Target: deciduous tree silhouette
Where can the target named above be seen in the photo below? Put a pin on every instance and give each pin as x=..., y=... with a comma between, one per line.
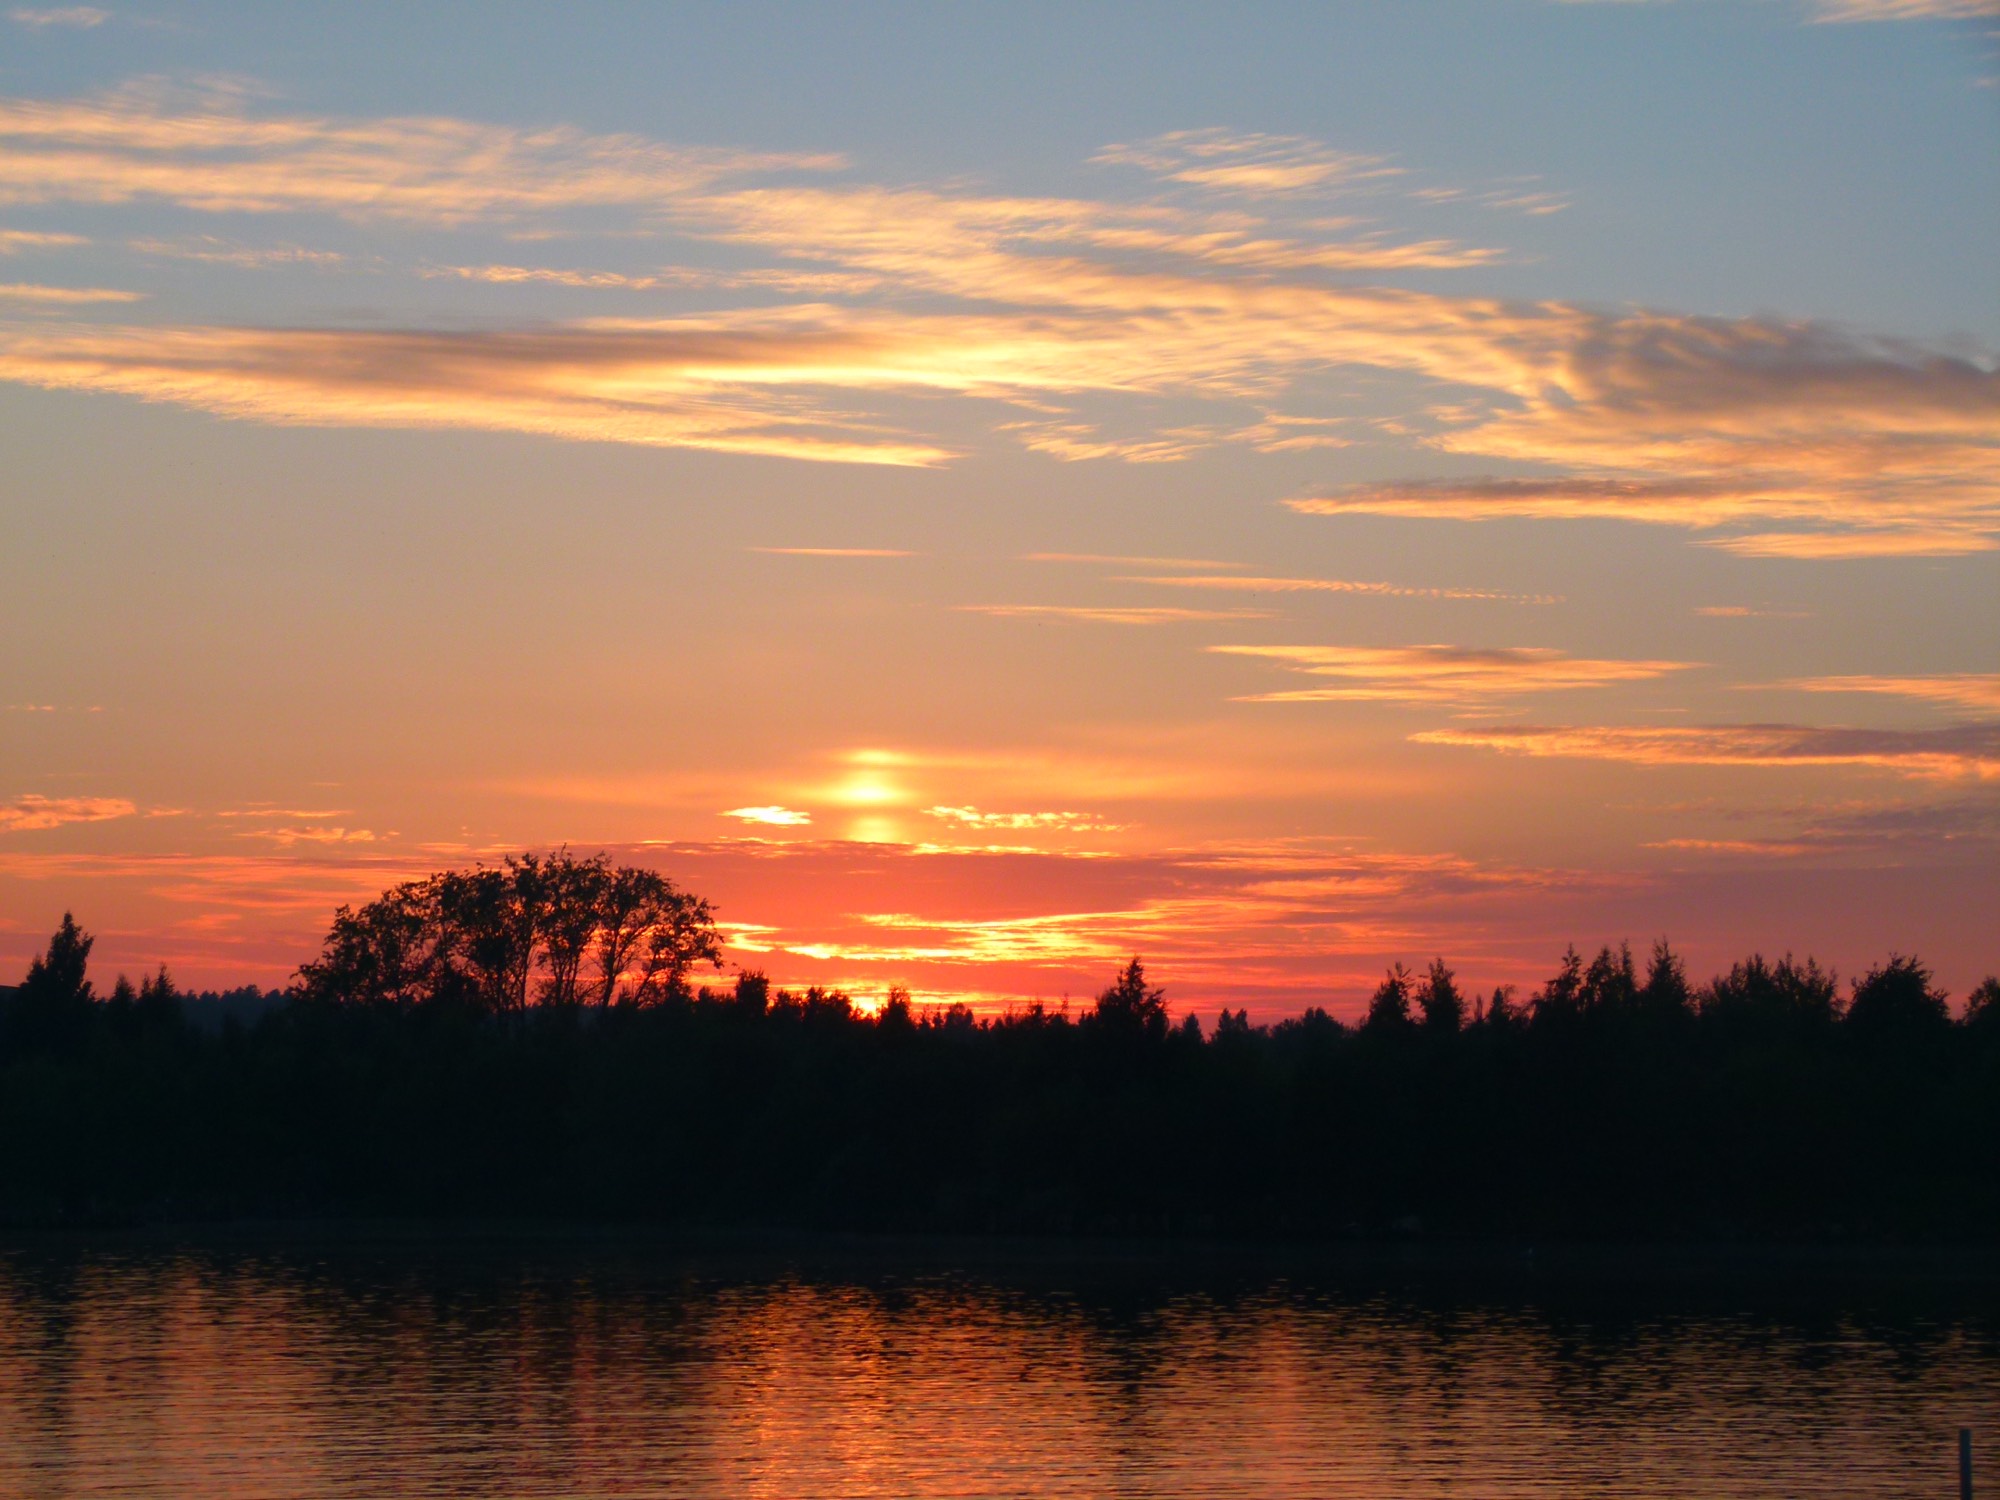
x=1897, y=1000
x=480, y=937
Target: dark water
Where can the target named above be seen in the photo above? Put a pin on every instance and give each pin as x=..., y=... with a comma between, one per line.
x=416, y=1371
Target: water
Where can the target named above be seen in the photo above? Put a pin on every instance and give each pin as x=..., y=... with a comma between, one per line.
x=606, y=1371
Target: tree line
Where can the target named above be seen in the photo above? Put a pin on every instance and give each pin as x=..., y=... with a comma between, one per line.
x=533, y=1039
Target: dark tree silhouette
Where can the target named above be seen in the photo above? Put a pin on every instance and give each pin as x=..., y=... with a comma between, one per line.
x=1389, y=1006
x=526, y=1039
x=1982, y=1006
x=1665, y=996
x=625, y=937
x=51, y=1009
x=1896, y=999
x=1131, y=1006
x=1438, y=999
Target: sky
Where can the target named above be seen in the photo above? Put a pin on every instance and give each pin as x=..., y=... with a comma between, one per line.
x=980, y=492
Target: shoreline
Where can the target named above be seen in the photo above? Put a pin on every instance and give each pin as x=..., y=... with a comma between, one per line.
x=1509, y=1261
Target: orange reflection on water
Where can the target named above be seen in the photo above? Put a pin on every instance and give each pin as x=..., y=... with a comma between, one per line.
x=411, y=1373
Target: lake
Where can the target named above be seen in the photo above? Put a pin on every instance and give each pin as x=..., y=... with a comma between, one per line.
x=413, y=1368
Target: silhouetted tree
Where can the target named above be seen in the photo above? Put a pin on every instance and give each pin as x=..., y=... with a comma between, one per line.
x=1610, y=985
x=1666, y=996
x=1982, y=1006
x=1896, y=1001
x=651, y=935
x=1502, y=1013
x=400, y=1076
x=752, y=995
x=1131, y=1006
x=1756, y=999
x=1389, y=1006
x=1560, y=1001
x=1438, y=999
x=51, y=1009
x=479, y=937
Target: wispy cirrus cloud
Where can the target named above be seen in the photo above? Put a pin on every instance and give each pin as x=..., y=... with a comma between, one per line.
x=1763, y=436
x=1252, y=584
x=1112, y=614
x=1904, y=10
x=1247, y=162
x=1880, y=10
x=287, y=837
x=35, y=812
x=82, y=17
x=1440, y=674
x=17, y=241
x=694, y=383
x=1774, y=438
x=26, y=291
x=1978, y=691
x=1960, y=752
x=205, y=150
x=210, y=250
x=669, y=278
x=1065, y=822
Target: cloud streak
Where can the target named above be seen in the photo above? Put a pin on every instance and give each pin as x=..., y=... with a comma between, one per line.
x=1846, y=446
x=1978, y=691
x=82, y=17
x=1248, y=163
x=1970, y=751
x=1440, y=674
x=1261, y=585
x=206, y=152
x=1905, y=10
x=695, y=383
x=1111, y=614
x=1765, y=437
x=21, y=291
x=33, y=812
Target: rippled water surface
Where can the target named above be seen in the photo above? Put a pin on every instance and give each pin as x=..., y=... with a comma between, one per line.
x=416, y=1371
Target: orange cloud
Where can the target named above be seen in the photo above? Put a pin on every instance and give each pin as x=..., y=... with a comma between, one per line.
x=1440, y=674
x=1970, y=751
x=1851, y=446
x=1979, y=691
x=286, y=838
x=81, y=16
x=1257, y=585
x=1771, y=848
x=23, y=291
x=205, y=152
x=1249, y=163
x=210, y=250
x=1904, y=10
x=31, y=812
x=1112, y=614
x=16, y=241
x=1067, y=822
x=693, y=383
x=1768, y=438
x=771, y=816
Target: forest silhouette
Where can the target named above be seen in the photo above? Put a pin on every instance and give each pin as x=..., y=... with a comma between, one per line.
x=535, y=1039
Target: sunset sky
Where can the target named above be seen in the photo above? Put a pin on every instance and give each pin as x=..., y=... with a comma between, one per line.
x=980, y=492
